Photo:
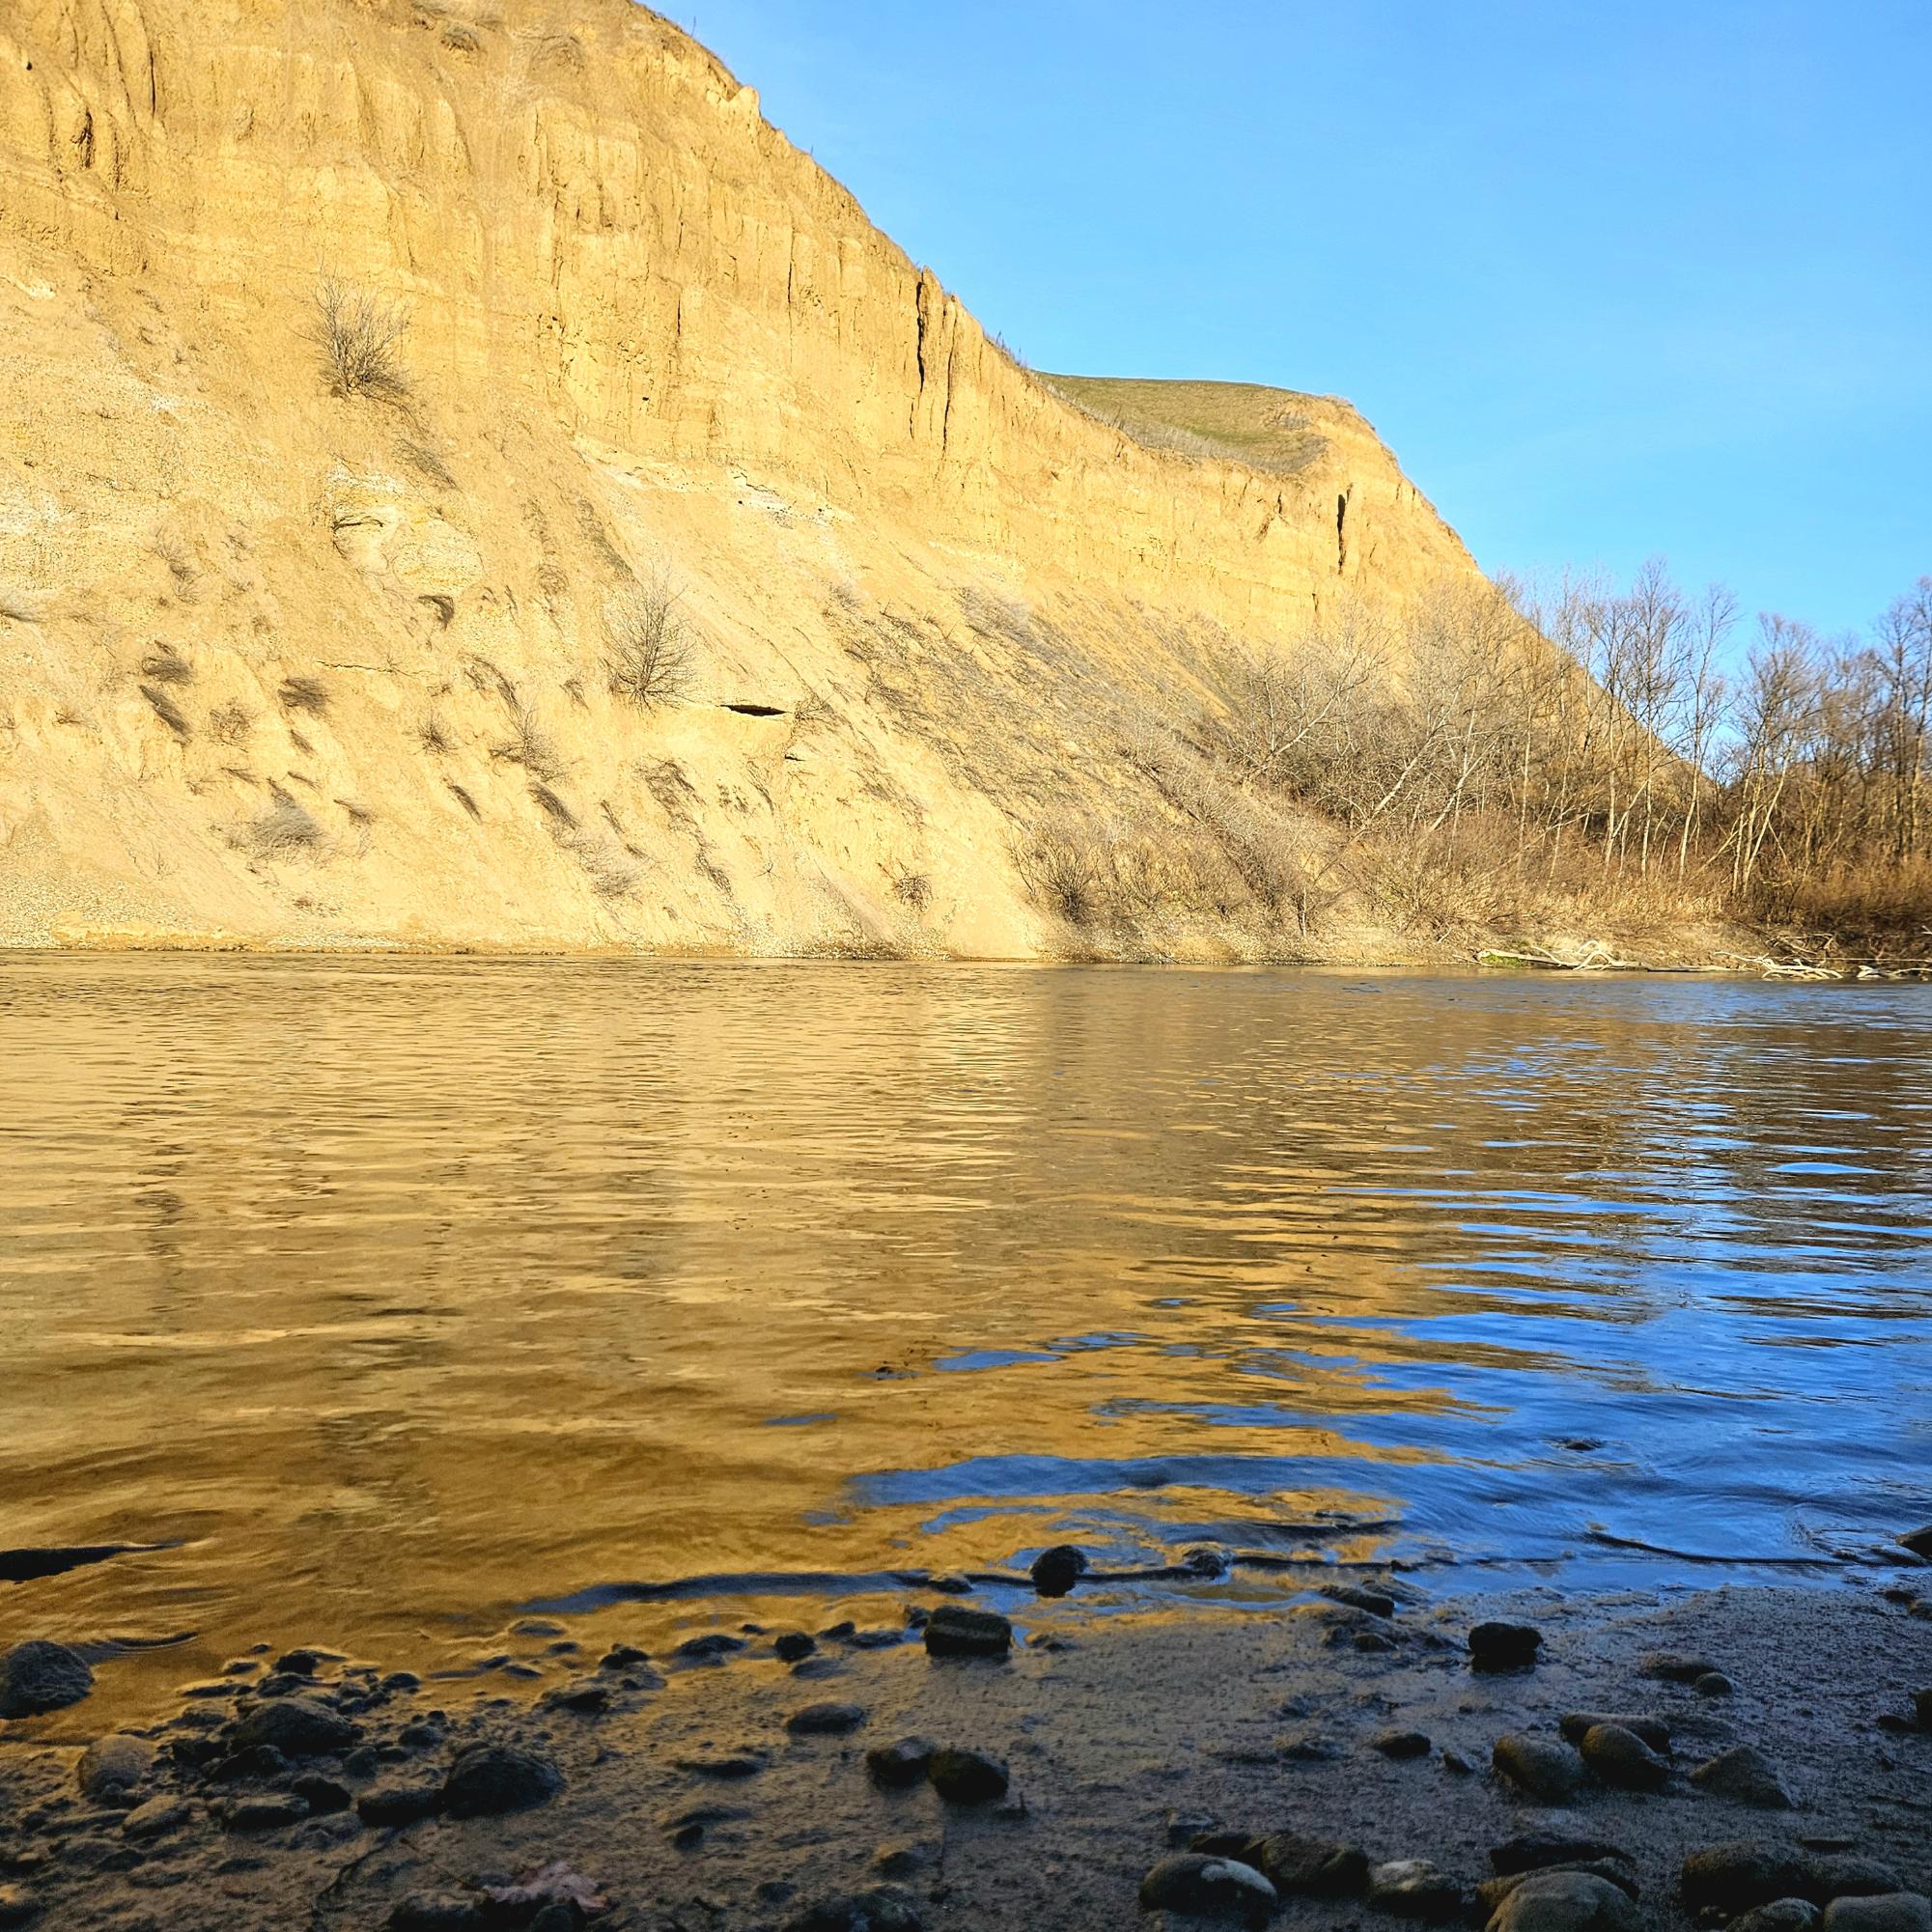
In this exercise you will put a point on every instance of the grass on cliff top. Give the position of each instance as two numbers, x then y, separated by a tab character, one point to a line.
1243	422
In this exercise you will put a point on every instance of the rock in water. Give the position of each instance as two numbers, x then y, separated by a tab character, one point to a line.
955	1631
1565	1901
297	1727
40	1676
1781	1915
1884	1912
885	1908
1746	1776
1540	1767
1413	1889
1311	1867
1504	1646
1376	1602
967	1776
112	1766
1735	1876
1621	1758
1208	1888
1055	1571
794	1647
488	1778
1919	1541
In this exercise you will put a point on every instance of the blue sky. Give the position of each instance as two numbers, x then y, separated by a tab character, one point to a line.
1613	280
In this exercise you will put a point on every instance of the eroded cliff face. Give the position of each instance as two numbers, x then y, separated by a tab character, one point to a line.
283	665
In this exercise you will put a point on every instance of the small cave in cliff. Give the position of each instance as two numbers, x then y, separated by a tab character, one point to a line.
756	711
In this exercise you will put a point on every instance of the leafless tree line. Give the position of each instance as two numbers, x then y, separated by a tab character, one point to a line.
1622	729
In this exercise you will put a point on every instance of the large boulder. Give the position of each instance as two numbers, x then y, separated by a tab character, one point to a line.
296	1726
955	1631
1541	1769
1504	1646
1621	1758
1205	1886
40	1676
111	1767
1565	1901
490	1778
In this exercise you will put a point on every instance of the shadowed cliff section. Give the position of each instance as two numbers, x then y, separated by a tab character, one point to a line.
286	657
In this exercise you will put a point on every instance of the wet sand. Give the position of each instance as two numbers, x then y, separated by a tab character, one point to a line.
684	1799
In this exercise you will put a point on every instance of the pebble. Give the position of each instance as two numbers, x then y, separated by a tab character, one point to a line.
1781	1915
728	1765
324	1796
901	1857
1311	1867
400	1800
1504	1646
793	1646
712	1647
1413	1889
435	1911
900	1765
1537	1851
1677	1666
813	1670
1741	1873
1745	1776
1564	1901
963	1777
955	1631
1621	1758
1540	1767
297	1727
824	1719
40	1676
584	1695
267	1812
1055	1571
299	1663
1205	1886
1399	1743
111	1767
1885	1912
1654	1731
885	1908
158	1815
490	1778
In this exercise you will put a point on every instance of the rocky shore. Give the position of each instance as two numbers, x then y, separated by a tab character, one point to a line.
1758	1758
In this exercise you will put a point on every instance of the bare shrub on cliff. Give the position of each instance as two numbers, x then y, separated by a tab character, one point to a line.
360	337
286	830
167	710
231	723
305	694
165	665
650	661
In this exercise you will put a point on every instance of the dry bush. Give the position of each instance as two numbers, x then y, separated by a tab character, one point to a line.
614	872
360	337
165	665
286	830
1869	898
165	709
433	734
553	805
231	723
427	458
357	813
650	651
181	566
914	889
305	694
464	800
528	744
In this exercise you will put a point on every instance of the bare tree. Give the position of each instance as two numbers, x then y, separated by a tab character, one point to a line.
651	653
360	337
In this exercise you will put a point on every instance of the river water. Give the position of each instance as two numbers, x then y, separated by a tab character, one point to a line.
396	1297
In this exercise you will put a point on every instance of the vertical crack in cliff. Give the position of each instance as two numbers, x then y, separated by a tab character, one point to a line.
1341	533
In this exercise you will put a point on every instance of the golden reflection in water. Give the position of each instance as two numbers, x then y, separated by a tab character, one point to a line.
398	1294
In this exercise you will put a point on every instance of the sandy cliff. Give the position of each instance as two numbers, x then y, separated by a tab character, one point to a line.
283	665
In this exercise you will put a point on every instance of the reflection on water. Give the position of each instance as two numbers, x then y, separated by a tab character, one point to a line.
398	1294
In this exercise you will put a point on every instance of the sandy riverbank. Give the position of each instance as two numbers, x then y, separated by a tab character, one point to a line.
672	1793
